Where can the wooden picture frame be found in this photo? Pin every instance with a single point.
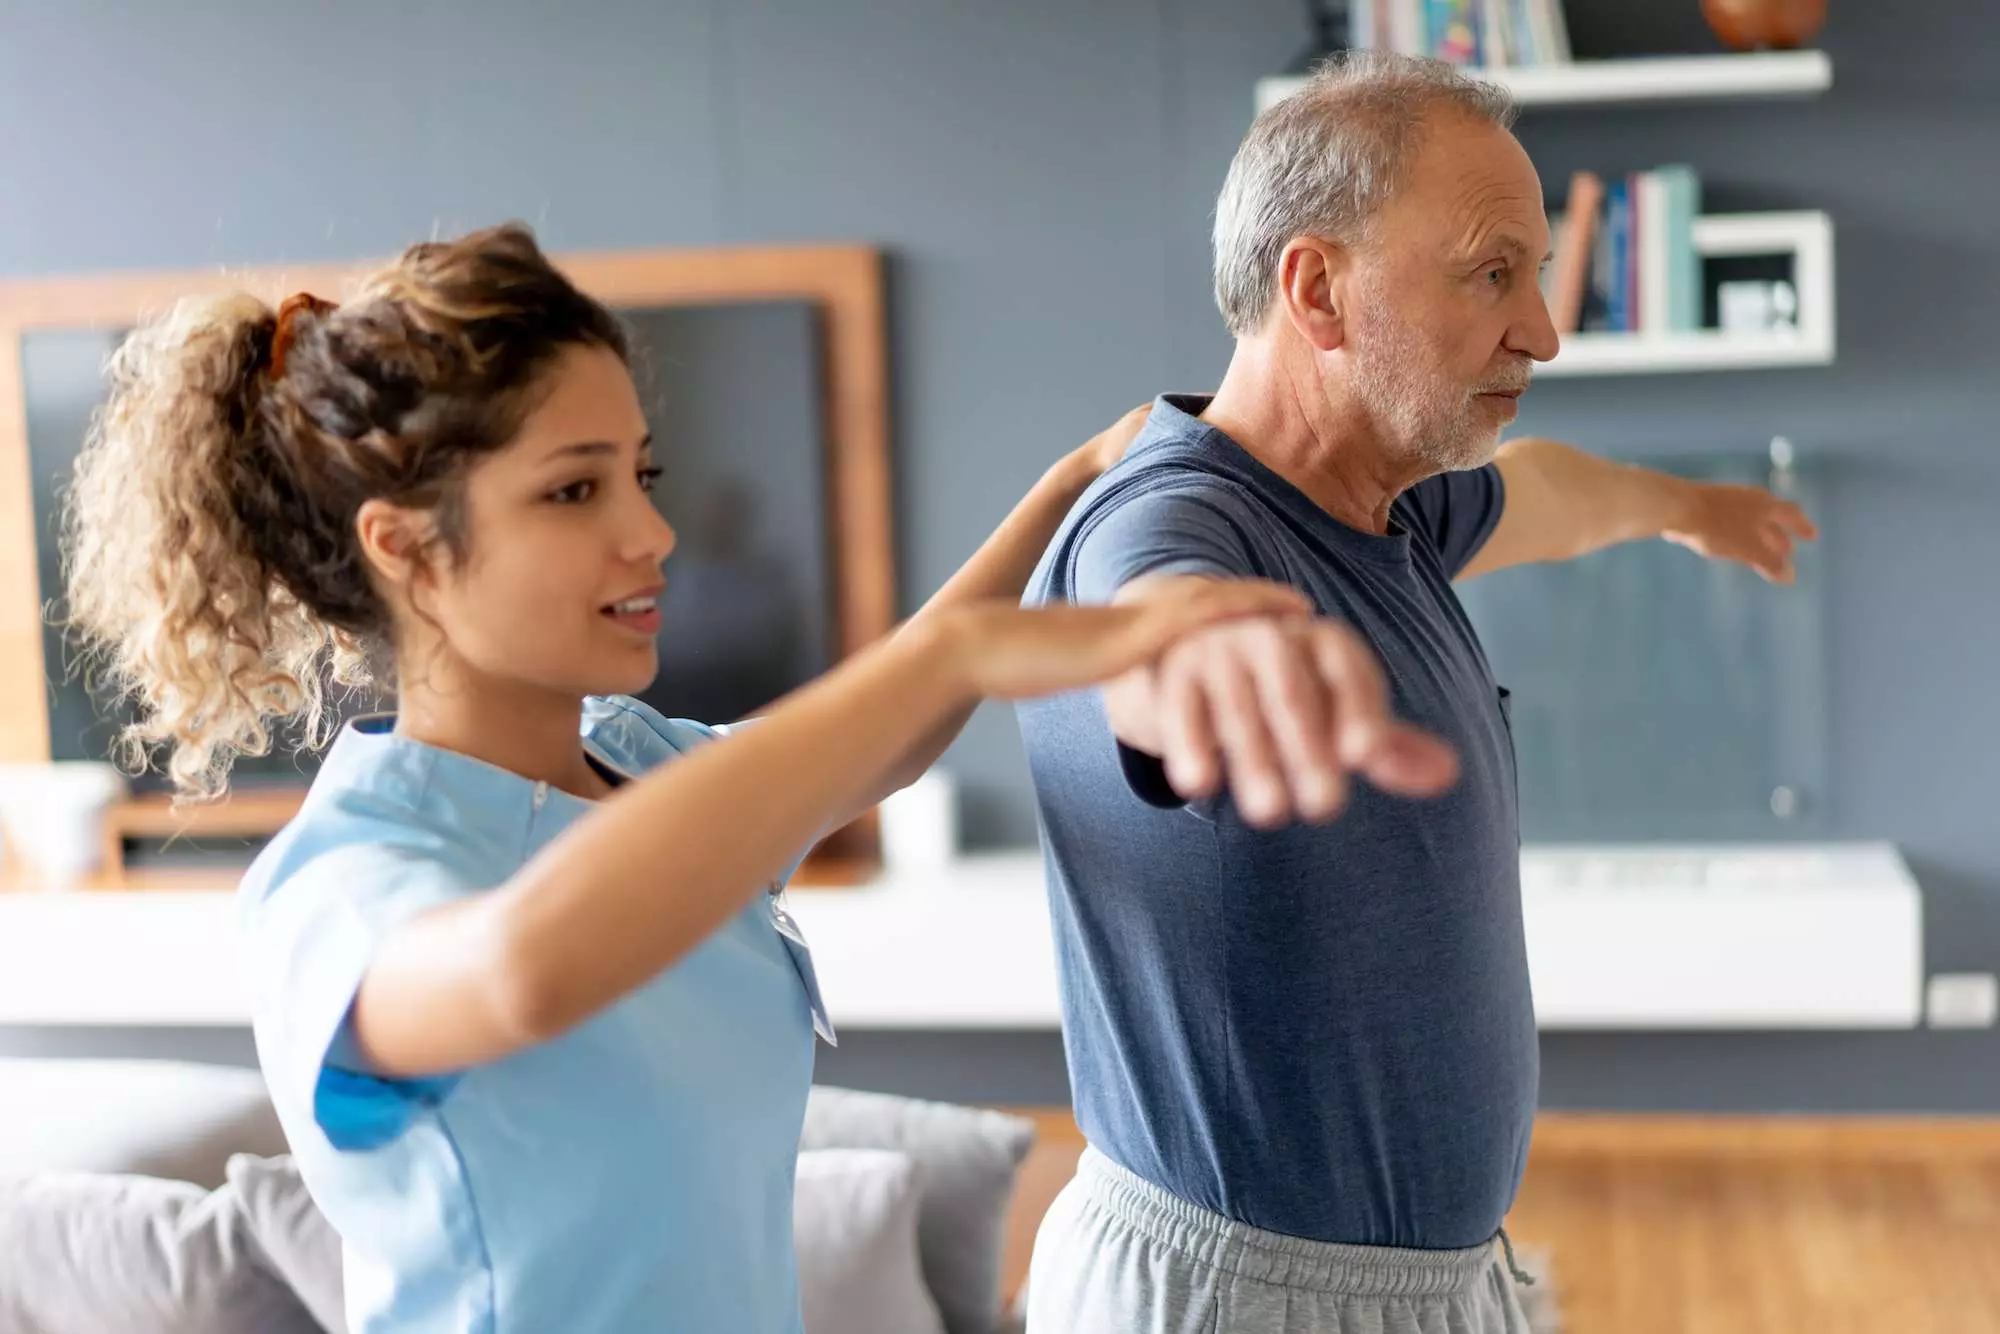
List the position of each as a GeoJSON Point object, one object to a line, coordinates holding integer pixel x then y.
{"type": "Point", "coordinates": [842, 283]}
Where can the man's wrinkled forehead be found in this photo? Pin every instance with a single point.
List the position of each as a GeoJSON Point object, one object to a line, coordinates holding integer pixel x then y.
{"type": "Point", "coordinates": [1471, 188]}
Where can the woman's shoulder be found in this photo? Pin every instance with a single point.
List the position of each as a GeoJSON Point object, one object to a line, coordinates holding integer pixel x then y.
{"type": "Point", "coordinates": [349, 830]}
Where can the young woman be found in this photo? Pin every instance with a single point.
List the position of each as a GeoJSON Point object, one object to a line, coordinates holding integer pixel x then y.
{"type": "Point", "coordinates": [535, 1020]}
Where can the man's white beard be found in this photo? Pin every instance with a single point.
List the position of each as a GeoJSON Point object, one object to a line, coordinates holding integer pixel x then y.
{"type": "Point", "coordinates": [1421, 412]}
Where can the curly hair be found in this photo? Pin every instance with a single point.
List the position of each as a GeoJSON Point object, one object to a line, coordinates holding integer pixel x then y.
{"type": "Point", "coordinates": [215, 576]}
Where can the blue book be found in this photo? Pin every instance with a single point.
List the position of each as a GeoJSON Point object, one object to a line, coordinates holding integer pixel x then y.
{"type": "Point", "coordinates": [1618, 239]}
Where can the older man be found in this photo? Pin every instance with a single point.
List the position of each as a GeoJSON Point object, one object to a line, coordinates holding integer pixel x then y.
{"type": "Point", "coordinates": [1303, 1048]}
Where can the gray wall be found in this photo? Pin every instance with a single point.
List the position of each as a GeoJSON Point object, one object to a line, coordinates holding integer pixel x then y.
{"type": "Point", "coordinates": [1042, 174]}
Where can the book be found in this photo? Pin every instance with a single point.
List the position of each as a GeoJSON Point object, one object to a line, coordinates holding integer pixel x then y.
{"type": "Point", "coordinates": [1494, 45]}
{"type": "Point", "coordinates": [1617, 266]}
{"type": "Point", "coordinates": [1653, 244]}
{"type": "Point", "coordinates": [1407, 31]}
{"type": "Point", "coordinates": [1570, 273]}
{"type": "Point", "coordinates": [1452, 29]}
{"type": "Point", "coordinates": [1549, 32]}
{"type": "Point", "coordinates": [1520, 33]}
{"type": "Point", "coordinates": [1630, 276]}
{"type": "Point", "coordinates": [1681, 204]}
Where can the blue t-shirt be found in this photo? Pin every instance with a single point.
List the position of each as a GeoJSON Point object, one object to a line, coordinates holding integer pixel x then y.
{"type": "Point", "coordinates": [1324, 1031]}
{"type": "Point", "coordinates": [634, 1173]}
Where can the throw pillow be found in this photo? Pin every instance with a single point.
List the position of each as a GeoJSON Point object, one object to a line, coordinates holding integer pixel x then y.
{"type": "Point", "coordinates": [174, 1119]}
{"type": "Point", "coordinates": [855, 1225]}
{"type": "Point", "coordinates": [966, 1158]}
{"type": "Point", "coordinates": [87, 1254]}
{"type": "Point", "coordinates": [297, 1242]}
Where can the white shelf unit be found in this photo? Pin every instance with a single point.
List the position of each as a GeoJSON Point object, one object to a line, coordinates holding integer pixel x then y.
{"type": "Point", "coordinates": [1807, 236]}
{"type": "Point", "coordinates": [1619, 936]}
{"type": "Point", "coordinates": [1654, 79]}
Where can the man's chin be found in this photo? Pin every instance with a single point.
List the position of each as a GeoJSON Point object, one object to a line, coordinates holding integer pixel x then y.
{"type": "Point", "coordinates": [1466, 450]}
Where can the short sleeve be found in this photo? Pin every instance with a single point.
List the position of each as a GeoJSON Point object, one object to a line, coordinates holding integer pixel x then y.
{"type": "Point", "coordinates": [311, 938]}
{"type": "Point", "coordinates": [1457, 512]}
{"type": "Point", "coordinates": [1169, 530]}
{"type": "Point", "coordinates": [1177, 530]}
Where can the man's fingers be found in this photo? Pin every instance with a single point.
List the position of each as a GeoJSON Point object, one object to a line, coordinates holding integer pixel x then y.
{"type": "Point", "coordinates": [1796, 522]}
{"type": "Point", "coordinates": [1777, 564]}
{"type": "Point", "coordinates": [1360, 694]}
{"type": "Point", "coordinates": [1248, 751]}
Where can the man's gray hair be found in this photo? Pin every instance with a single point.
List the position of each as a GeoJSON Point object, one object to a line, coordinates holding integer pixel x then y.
{"type": "Point", "coordinates": [1324, 161]}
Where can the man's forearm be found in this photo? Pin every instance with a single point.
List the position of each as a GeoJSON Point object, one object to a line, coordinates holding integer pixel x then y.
{"type": "Point", "coordinates": [1563, 503]}
{"type": "Point", "coordinates": [1594, 502]}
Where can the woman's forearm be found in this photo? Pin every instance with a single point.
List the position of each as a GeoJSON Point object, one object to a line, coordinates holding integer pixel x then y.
{"type": "Point", "coordinates": [600, 912]}
{"type": "Point", "coordinates": [1000, 568]}
{"type": "Point", "coordinates": [1006, 560]}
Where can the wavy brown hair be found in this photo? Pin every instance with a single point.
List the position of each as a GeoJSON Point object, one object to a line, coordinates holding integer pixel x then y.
{"type": "Point", "coordinates": [215, 576]}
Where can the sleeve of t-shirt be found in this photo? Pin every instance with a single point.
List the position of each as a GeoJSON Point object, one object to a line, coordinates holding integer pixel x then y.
{"type": "Point", "coordinates": [1168, 531]}
{"type": "Point", "coordinates": [1171, 530]}
{"type": "Point", "coordinates": [1457, 512]}
{"type": "Point", "coordinates": [311, 938]}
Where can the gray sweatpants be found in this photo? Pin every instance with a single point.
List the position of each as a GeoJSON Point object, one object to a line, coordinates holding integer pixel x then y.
{"type": "Point", "coordinates": [1117, 1255]}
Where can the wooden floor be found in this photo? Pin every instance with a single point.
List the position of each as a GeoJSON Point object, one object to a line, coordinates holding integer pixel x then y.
{"type": "Point", "coordinates": [1677, 1227]}
{"type": "Point", "coordinates": [1730, 1226]}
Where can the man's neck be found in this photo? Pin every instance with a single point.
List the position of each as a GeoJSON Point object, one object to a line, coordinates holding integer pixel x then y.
{"type": "Point", "coordinates": [1277, 409]}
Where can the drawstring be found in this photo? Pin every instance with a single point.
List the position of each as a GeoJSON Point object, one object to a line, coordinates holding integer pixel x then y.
{"type": "Point", "coordinates": [1521, 1276]}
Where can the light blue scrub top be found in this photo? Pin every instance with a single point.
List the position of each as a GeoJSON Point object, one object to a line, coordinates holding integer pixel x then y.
{"type": "Point", "coordinates": [634, 1174]}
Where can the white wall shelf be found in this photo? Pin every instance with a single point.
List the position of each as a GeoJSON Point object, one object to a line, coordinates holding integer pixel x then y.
{"type": "Point", "coordinates": [1807, 236]}
{"type": "Point", "coordinates": [1663, 354]}
{"type": "Point", "coordinates": [1619, 936]}
{"type": "Point", "coordinates": [1655, 79]}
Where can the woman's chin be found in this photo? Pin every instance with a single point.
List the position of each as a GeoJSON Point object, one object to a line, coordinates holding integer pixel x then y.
{"type": "Point", "coordinates": [622, 678]}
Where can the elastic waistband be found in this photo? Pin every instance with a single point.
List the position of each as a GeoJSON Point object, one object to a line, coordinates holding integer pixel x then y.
{"type": "Point", "coordinates": [1272, 1257]}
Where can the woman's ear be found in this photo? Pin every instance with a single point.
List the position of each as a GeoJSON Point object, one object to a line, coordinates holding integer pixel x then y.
{"type": "Point", "coordinates": [392, 542]}
{"type": "Point", "coordinates": [1311, 290]}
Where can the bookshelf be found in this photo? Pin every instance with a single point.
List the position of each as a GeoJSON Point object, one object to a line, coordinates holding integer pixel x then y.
{"type": "Point", "coordinates": [1807, 236]}
{"type": "Point", "coordinates": [1656, 79]}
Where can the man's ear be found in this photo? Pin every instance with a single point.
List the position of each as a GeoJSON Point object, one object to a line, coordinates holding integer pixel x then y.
{"type": "Point", "coordinates": [1312, 290]}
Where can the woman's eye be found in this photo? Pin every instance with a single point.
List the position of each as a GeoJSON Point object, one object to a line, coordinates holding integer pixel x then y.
{"type": "Point", "coordinates": [649, 478]}
{"type": "Point", "coordinates": [575, 493]}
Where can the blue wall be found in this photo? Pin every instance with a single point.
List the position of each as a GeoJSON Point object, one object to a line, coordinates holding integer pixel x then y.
{"type": "Point", "coordinates": [1042, 175]}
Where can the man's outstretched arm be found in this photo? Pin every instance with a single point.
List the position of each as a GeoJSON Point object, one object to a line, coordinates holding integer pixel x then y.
{"type": "Point", "coordinates": [1562, 503]}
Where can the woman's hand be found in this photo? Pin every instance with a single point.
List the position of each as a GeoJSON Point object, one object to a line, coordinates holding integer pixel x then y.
{"type": "Point", "coordinates": [1009, 652]}
{"type": "Point", "coordinates": [1101, 452]}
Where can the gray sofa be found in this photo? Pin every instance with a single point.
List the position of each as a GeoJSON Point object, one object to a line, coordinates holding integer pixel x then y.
{"type": "Point", "coordinates": [154, 1197]}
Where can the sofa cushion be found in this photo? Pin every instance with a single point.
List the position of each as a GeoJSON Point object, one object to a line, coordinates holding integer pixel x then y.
{"type": "Point", "coordinates": [173, 1119]}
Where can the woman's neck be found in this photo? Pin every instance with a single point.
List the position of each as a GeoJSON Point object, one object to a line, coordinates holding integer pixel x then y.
{"type": "Point", "coordinates": [523, 729]}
